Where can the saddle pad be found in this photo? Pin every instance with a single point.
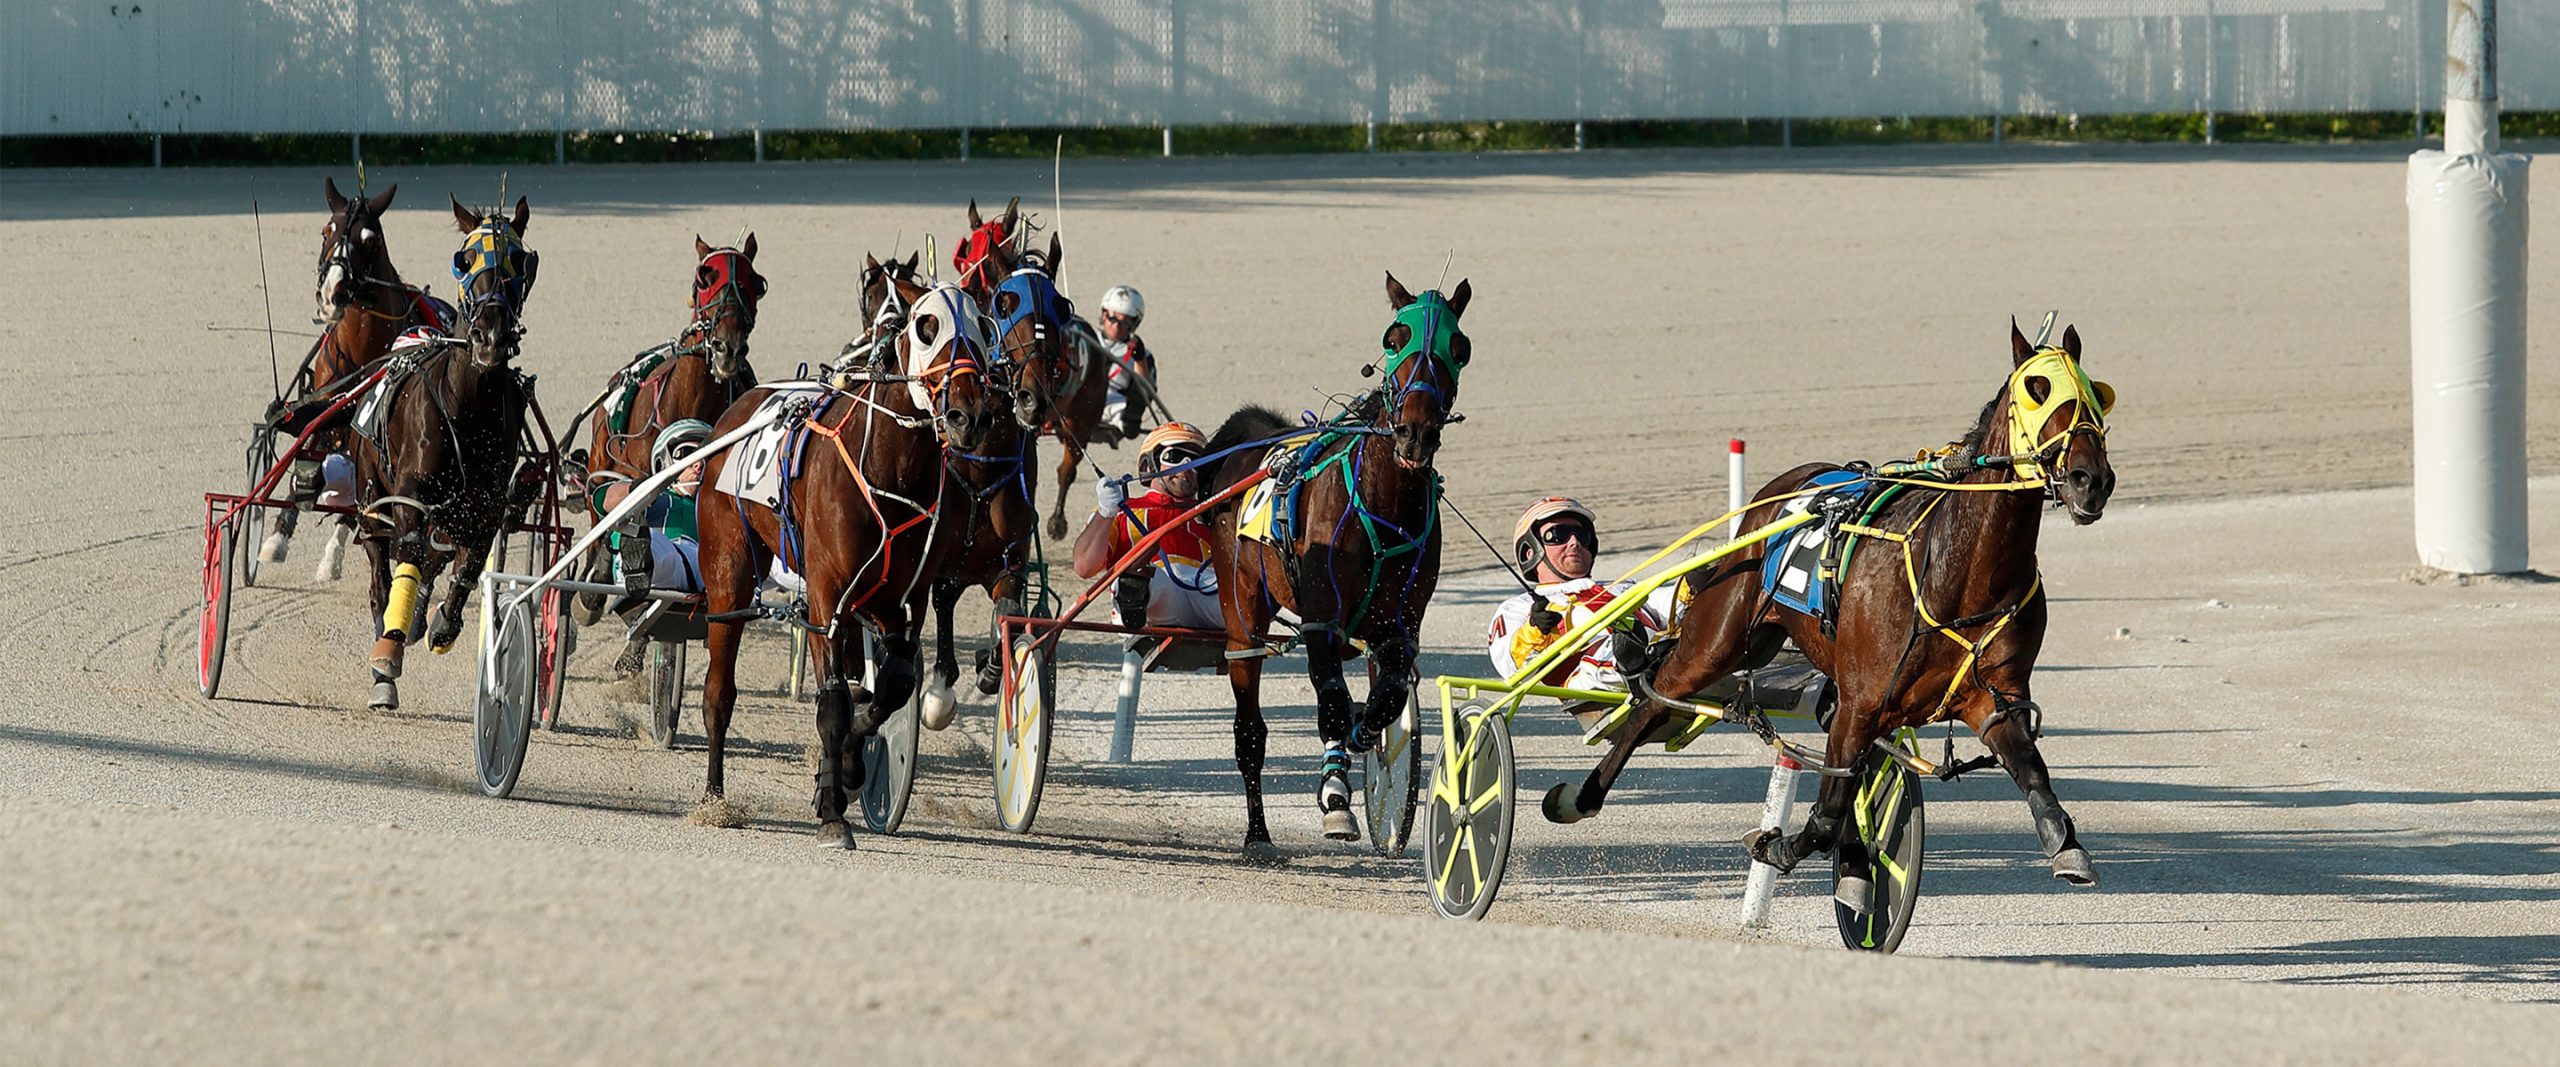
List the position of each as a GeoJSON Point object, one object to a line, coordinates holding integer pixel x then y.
{"type": "Point", "coordinates": [1792, 571]}
{"type": "Point", "coordinates": [756, 472]}
{"type": "Point", "coordinates": [1265, 514]}
{"type": "Point", "coordinates": [374, 411]}
{"type": "Point", "coordinates": [626, 386]}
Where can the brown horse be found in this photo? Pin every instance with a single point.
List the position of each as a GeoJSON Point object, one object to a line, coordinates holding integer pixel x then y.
{"type": "Point", "coordinates": [860, 470]}
{"type": "Point", "coordinates": [1362, 549]}
{"type": "Point", "coordinates": [696, 376]}
{"type": "Point", "coordinates": [438, 480]}
{"type": "Point", "coordinates": [363, 305]}
{"type": "Point", "coordinates": [1944, 612]}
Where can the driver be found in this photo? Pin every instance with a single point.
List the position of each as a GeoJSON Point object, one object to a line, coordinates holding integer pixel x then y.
{"type": "Point", "coordinates": [1125, 401]}
{"type": "Point", "coordinates": [1176, 588]}
{"type": "Point", "coordinates": [1555, 542]}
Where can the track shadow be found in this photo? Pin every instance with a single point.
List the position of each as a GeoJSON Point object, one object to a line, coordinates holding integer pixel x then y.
{"type": "Point", "coordinates": [2518, 960]}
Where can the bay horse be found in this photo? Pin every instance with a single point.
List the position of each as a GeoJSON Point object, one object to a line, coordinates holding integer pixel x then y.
{"type": "Point", "coordinates": [362, 304]}
{"type": "Point", "coordinates": [696, 376]}
{"type": "Point", "coordinates": [1943, 612]}
{"type": "Point", "coordinates": [860, 467]}
{"type": "Point", "coordinates": [1362, 552]}
{"type": "Point", "coordinates": [438, 481]}
{"type": "Point", "coordinates": [1065, 374]}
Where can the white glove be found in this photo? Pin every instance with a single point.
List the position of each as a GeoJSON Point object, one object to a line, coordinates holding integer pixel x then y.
{"type": "Point", "coordinates": [1109, 494]}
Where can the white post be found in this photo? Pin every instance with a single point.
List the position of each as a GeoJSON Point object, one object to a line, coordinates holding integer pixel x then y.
{"type": "Point", "coordinates": [759, 144]}
{"type": "Point", "coordinates": [1168, 142]}
{"type": "Point", "coordinates": [1775, 809]}
{"type": "Point", "coordinates": [1734, 492]}
{"type": "Point", "coordinates": [2467, 228]}
{"type": "Point", "coordinates": [1124, 721]}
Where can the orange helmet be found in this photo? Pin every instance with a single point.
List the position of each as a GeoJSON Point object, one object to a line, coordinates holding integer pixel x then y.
{"type": "Point", "coordinates": [1524, 541]}
{"type": "Point", "coordinates": [1169, 434]}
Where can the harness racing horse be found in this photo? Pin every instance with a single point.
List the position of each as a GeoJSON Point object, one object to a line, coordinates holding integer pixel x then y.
{"type": "Point", "coordinates": [435, 447]}
{"type": "Point", "coordinates": [1356, 552]}
{"type": "Point", "coordinates": [364, 304]}
{"type": "Point", "coordinates": [854, 473]}
{"type": "Point", "coordinates": [1944, 611]}
{"type": "Point", "coordinates": [1063, 371]}
{"type": "Point", "coordinates": [696, 376]}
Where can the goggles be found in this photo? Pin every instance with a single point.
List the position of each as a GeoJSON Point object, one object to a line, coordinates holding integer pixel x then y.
{"type": "Point", "coordinates": [1557, 533]}
{"type": "Point", "coordinates": [1174, 456]}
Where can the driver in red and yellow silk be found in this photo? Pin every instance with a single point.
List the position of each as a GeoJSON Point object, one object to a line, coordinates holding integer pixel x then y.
{"type": "Point", "coordinates": [1181, 589]}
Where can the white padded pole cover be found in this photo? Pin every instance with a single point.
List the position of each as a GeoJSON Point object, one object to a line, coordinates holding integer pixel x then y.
{"type": "Point", "coordinates": [2467, 223]}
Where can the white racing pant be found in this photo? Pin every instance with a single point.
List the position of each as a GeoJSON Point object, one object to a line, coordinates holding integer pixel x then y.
{"type": "Point", "coordinates": [1172, 603]}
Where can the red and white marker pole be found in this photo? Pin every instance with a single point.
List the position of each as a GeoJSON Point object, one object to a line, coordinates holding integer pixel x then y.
{"type": "Point", "coordinates": [1733, 491]}
{"type": "Point", "coordinates": [1780, 802]}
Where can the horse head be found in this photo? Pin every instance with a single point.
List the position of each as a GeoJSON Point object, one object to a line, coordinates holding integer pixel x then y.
{"type": "Point", "coordinates": [353, 255]}
{"type": "Point", "coordinates": [2057, 423]}
{"type": "Point", "coordinates": [493, 274]}
{"type": "Point", "coordinates": [726, 291]}
{"type": "Point", "coordinates": [1423, 353]}
{"type": "Point", "coordinates": [1031, 318]}
{"type": "Point", "coordinates": [986, 237]}
{"type": "Point", "coordinates": [942, 352]}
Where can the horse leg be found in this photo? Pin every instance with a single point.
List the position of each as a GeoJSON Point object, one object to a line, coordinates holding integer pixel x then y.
{"type": "Point", "coordinates": [1390, 685]}
{"type": "Point", "coordinates": [1245, 677]}
{"type": "Point", "coordinates": [404, 585]}
{"type": "Point", "coordinates": [728, 584]}
{"type": "Point", "coordinates": [1333, 726]}
{"type": "Point", "coordinates": [838, 757]}
{"type": "Point", "coordinates": [1070, 453]}
{"type": "Point", "coordinates": [474, 555]}
{"type": "Point", "coordinates": [385, 694]}
{"type": "Point", "coordinates": [940, 703]}
{"type": "Point", "coordinates": [2011, 737]}
{"type": "Point", "coordinates": [1007, 595]}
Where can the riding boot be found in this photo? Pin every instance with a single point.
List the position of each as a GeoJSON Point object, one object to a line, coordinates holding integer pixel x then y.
{"type": "Point", "coordinates": [1131, 594]}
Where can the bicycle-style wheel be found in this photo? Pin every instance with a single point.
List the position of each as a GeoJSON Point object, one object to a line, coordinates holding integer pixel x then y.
{"type": "Point", "coordinates": [889, 765]}
{"type": "Point", "coordinates": [222, 552]}
{"type": "Point", "coordinates": [1891, 822]}
{"type": "Point", "coordinates": [1391, 781]}
{"type": "Point", "coordinates": [503, 694]}
{"type": "Point", "coordinates": [1022, 733]}
{"type": "Point", "coordinates": [261, 458]}
{"type": "Point", "coordinates": [1467, 842]}
{"type": "Point", "coordinates": [666, 691]}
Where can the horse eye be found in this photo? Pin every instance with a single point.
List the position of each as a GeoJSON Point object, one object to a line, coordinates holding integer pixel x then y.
{"type": "Point", "coordinates": [1460, 351]}
{"type": "Point", "coordinates": [2039, 387]}
{"type": "Point", "coordinates": [1396, 336]}
{"type": "Point", "coordinates": [1005, 303]}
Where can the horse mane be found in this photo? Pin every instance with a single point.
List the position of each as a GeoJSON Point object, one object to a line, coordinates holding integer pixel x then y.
{"type": "Point", "coordinates": [1252, 422]}
{"type": "Point", "coordinates": [1976, 441]}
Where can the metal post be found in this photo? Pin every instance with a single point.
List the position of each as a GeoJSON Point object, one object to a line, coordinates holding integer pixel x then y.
{"type": "Point", "coordinates": [1775, 808]}
{"type": "Point", "coordinates": [1786, 81]}
{"type": "Point", "coordinates": [1124, 720]}
{"type": "Point", "coordinates": [155, 151]}
{"type": "Point", "coordinates": [1373, 135]}
{"type": "Point", "coordinates": [2471, 77]}
{"type": "Point", "coordinates": [1998, 132]}
{"type": "Point", "coordinates": [559, 148]}
{"type": "Point", "coordinates": [1786, 133]}
{"type": "Point", "coordinates": [355, 147]}
{"type": "Point", "coordinates": [1577, 135]}
{"type": "Point", "coordinates": [2212, 50]}
{"type": "Point", "coordinates": [2417, 70]}
{"type": "Point", "coordinates": [964, 144]}
{"type": "Point", "coordinates": [759, 144]}
{"type": "Point", "coordinates": [1168, 142]}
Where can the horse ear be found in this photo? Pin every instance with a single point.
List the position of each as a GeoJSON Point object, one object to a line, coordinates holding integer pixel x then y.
{"type": "Point", "coordinates": [337, 200]}
{"type": "Point", "coordinates": [701, 251]}
{"type": "Point", "coordinates": [377, 205]}
{"type": "Point", "coordinates": [1397, 295]}
{"type": "Point", "coordinates": [1012, 213]}
{"type": "Point", "coordinates": [1057, 253]}
{"type": "Point", "coordinates": [870, 263]}
{"type": "Point", "coordinates": [2071, 341]}
{"type": "Point", "coordinates": [749, 249]}
{"type": "Point", "coordinates": [1459, 297]}
{"type": "Point", "coordinates": [913, 259]}
{"type": "Point", "coordinates": [974, 220]}
{"type": "Point", "coordinates": [524, 214]}
{"type": "Point", "coordinates": [2019, 350]}
{"type": "Point", "coordinates": [463, 219]}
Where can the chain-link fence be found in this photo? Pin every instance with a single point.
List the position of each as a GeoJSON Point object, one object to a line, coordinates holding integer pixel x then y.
{"type": "Point", "coordinates": [492, 66]}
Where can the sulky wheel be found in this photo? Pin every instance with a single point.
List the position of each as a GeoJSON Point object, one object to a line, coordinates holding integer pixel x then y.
{"type": "Point", "coordinates": [666, 691]}
{"type": "Point", "coordinates": [1391, 779]}
{"type": "Point", "coordinates": [253, 525]}
{"type": "Point", "coordinates": [1891, 822]}
{"type": "Point", "coordinates": [889, 767]}
{"type": "Point", "coordinates": [223, 550]}
{"type": "Point", "coordinates": [1467, 840]}
{"type": "Point", "coordinates": [1022, 733]}
{"type": "Point", "coordinates": [503, 693]}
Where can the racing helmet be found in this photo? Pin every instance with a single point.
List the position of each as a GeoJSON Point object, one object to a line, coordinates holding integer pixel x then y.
{"type": "Point", "coordinates": [1166, 436]}
{"type": "Point", "coordinates": [1121, 299]}
{"type": "Point", "coordinates": [1524, 533]}
{"type": "Point", "coordinates": [680, 439]}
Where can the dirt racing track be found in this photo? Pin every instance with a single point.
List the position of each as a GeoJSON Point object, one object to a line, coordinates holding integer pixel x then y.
{"type": "Point", "coordinates": [2317, 788]}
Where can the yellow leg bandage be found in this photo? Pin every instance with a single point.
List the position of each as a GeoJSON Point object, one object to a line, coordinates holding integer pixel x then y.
{"type": "Point", "coordinates": [402, 606]}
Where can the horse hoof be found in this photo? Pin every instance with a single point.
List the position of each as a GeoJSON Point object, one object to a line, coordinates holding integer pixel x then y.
{"type": "Point", "coordinates": [332, 561]}
{"type": "Point", "coordinates": [2072, 865]}
{"type": "Point", "coordinates": [1057, 527]}
{"type": "Point", "coordinates": [1340, 825]}
{"type": "Point", "coordinates": [941, 705]}
{"type": "Point", "coordinates": [1856, 894]}
{"type": "Point", "coordinates": [835, 835]}
{"type": "Point", "coordinates": [275, 548]}
{"type": "Point", "coordinates": [1559, 808]}
{"type": "Point", "coordinates": [1761, 843]}
{"type": "Point", "coordinates": [386, 697]}
{"type": "Point", "coordinates": [1261, 853]}
{"type": "Point", "coordinates": [386, 657]}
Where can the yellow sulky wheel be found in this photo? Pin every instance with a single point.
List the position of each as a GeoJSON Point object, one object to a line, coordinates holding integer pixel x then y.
{"type": "Point", "coordinates": [1023, 717]}
{"type": "Point", "coordinates": [1467, 842]}
{"type": "Point", "coordinates": [1891, 822]}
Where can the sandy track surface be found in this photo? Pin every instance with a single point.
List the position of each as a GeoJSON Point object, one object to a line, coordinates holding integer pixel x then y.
{"type": "Point", "coordinates": [2298, 767]}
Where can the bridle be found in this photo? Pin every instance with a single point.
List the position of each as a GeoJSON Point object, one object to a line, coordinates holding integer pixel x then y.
{"type": "Point", "coordinates": [1038, 301]}
{"type": "Point", "coordinates": [2035, 442]}
{"type": "Point", "coordinates": [726, 284]}
{"type": "Point", "coordinates": [494, 269]}
{"type": "Point", "coordinates": [341, 262]}
{"type": "Point", "coordinates": [1432, 331]}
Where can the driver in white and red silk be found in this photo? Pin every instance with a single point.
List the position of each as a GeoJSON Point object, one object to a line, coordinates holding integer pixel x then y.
{"type": "Point", "coordinates": [1175, 587]}
{"type": "Point", "coordinates": [1125, 400]}
{"type": "Point", "coordinates": [1555, 542]}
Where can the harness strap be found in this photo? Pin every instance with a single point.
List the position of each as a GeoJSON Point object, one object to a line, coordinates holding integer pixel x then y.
{"type": "Point", "coordinates": [870, 499]}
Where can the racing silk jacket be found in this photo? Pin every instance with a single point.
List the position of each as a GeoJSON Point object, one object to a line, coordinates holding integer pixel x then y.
{"type": "Point", "coordinates": [1126, 354]}
{"type": "Point", "coordinates": [1184, 552]}
{"type": "Point", "coordinates": [1511, 641]}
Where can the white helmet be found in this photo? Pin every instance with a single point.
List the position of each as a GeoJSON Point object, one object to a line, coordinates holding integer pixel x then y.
{"type": "Point", "coordinates": [1124, 300]}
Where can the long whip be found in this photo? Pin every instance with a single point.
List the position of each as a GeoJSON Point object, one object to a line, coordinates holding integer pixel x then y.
{"type": "Point", "coordinates": [275, 376]}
